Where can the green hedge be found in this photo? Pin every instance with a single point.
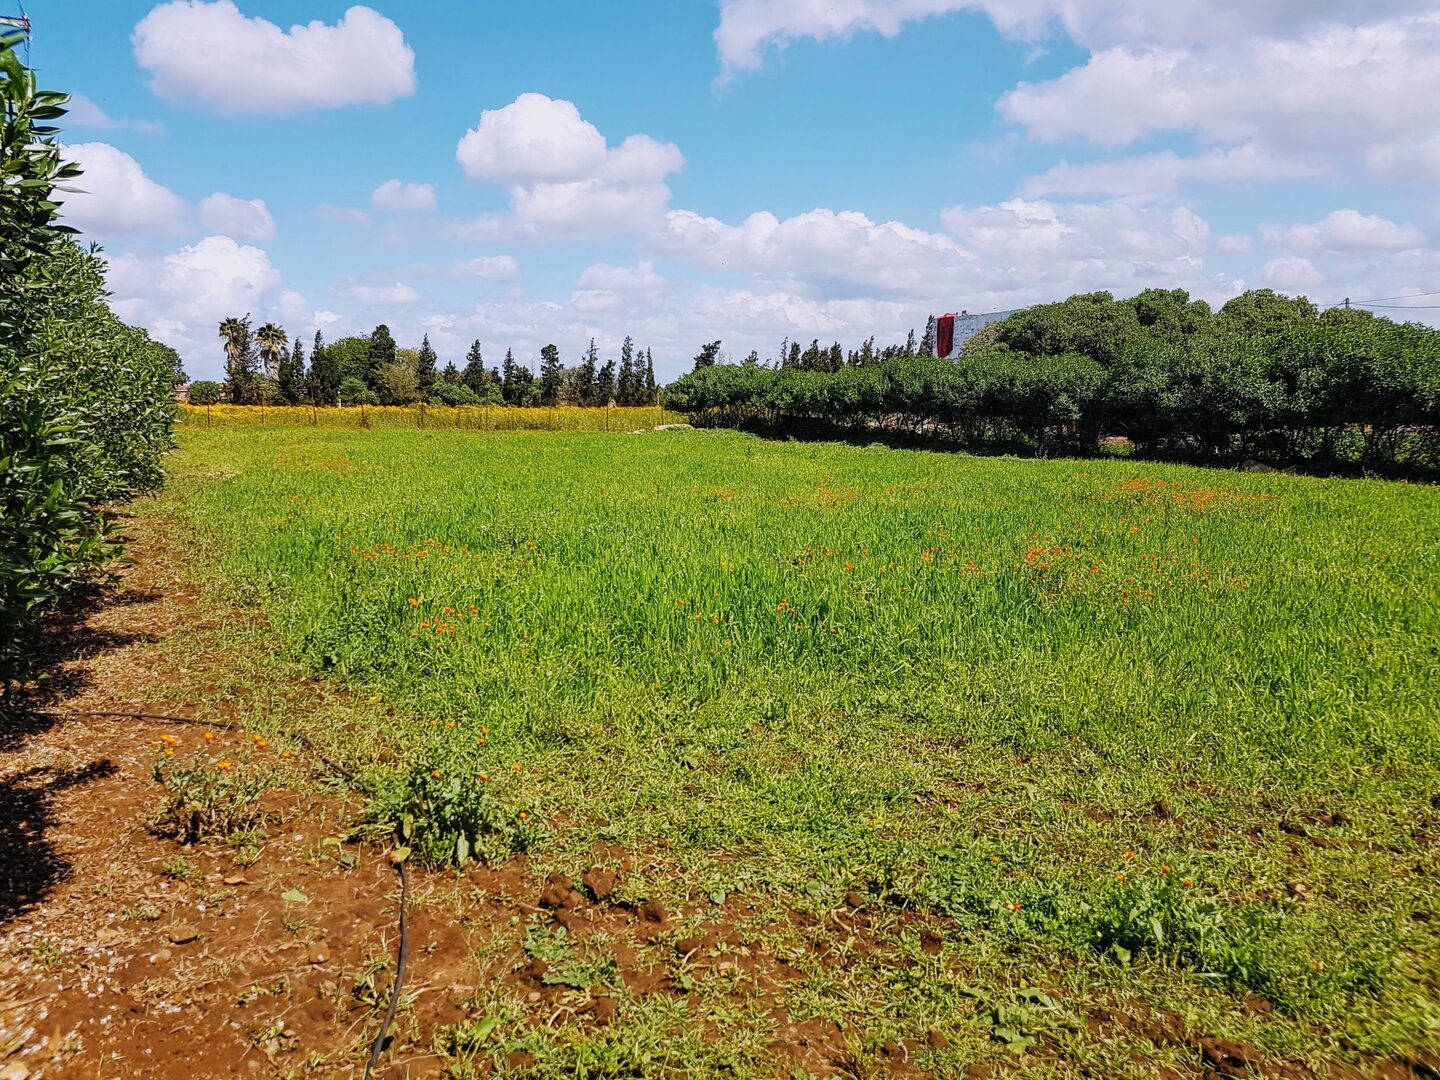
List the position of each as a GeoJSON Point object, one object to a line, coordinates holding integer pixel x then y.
{"type": "Point", "coordinates": [1267, 377]}
{"type": "Point", "coordinates": [85, 401]}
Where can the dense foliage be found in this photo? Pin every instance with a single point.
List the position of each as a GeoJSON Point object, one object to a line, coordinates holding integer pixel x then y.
{"type": "Point", "coordinates": [85, 401]}
{"type": "Point", "coordinates": [1267, 378]}
{"type": "Point", "coordinates": [373, 370]}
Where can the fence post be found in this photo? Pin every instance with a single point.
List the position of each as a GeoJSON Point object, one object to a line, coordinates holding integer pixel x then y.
{"type": "Point", "coordinates": [421, 416]}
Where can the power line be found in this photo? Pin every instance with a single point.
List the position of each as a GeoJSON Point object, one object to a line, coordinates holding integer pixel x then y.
{"type": "Point", "coordinates": [1381, 300]}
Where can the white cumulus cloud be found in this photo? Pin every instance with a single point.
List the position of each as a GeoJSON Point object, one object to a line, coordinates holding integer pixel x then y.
{"type": "Point", "coordinates": [1346, 230]}
{"type": "Point", "coordinates": [393, 293]}
{"type": "Point", "coordinates": [181, 296]}
{"type": "Point", "coordinates": [211, 55]}
{"type": "Point", "coordinates": [487, 268]}
{"type": "Point", "coordinates": [1291, 273]}
{"type": "Point", "coordinates": [403, 195]}
{"type": "Point", "coordinates": [114, 196]}
{"type": "Point", "coordinates": [562, 175]}
{"type": "Point", "coordinates": [1339, 93]}
{"type": "Point", "coordinates": [244, 219]}
{"type": "Point", "coordinates": [748, 27]}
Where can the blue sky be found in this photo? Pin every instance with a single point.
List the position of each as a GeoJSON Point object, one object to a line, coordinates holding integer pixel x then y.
{"type": "Point", "coordinates": [746, 170]}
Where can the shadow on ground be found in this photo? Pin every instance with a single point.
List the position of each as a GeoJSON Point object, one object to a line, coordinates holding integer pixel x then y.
{"type": "Point", "coordinates": [57, 672]}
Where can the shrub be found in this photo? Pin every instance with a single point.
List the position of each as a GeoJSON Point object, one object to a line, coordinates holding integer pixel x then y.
{"type": "Point", "coordinates": [204, 392]}
{"type": "Point", "coordinates": [353, 391]}
{"type": "Point", "coordinates": [448, 393]}
{"type": "Point", "coordinates": [85, 401]}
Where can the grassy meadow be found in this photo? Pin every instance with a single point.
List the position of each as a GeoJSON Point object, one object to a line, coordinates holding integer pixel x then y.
{"type": "Point", "coordinates": [1133, 731]}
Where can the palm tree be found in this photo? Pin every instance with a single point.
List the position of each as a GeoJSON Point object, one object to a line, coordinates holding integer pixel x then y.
{"type": "Point", "coordinates": [272, 342]}
{"type": "Point", "coordinates": [239, 357]}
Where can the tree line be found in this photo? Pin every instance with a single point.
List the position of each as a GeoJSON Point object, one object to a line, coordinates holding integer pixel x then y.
{"type": "Point", "coordinates": [1267, 378]}
{"type": "Point", "coordinates": [817, 357]}
{"type": "Point", "coordinates": [262, 366]}
{"type": "Point", "coordinates": [86, 406]}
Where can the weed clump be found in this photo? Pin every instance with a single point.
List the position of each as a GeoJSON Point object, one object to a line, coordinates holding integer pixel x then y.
{"type": "Point", "coordinates": [447, 818]}
{"type": "Point", "coordinates": [209, 798]}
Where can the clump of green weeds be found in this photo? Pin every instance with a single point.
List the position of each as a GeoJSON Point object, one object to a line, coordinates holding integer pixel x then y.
{"type": "Point", "coordinates": [210, 798]}
{"type": "Point", "coordinates": [447, 818]}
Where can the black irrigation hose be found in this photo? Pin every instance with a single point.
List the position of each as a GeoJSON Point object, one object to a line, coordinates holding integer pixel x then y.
{"type": "Point", "coordinates": [379, 1045]}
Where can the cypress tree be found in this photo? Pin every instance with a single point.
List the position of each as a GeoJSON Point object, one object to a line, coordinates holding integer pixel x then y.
{"type": "Point", "coordinates": [585, 386]}
{"type": "Point", "coordinates": [626, 390]}
{"type": "Point", "coordinates": [927, 343]}
{"type": "Point", "coordinates": [324, 373]}
{"type": "Point", "coordinates": [605, 384]}
{"type": "Point", "coordinates": [292, 374]}
{"type": "Point", "coordinates": [708, 355]}
{"type": "Point", "coordinates": [380, 353]}
{"type": "Point", "coordinates": [552, 373]}
{"type": "Point", "coordinates": [425, 367]}
{"type": "Point", "coordinates": [474, 374]}
{"type": "Point", "coordinates": [650, 386]}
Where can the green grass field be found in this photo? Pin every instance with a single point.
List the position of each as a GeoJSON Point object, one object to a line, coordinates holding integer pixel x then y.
{"type": "Point", "coordinates": [1139, 732]}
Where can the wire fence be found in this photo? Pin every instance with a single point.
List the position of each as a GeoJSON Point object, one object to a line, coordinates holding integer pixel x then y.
{"type": "Point", "coordinates": [439, 417]}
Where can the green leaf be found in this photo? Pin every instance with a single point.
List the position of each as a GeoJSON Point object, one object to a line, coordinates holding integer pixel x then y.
{"type": "Point", "coordinates": [294, 896]}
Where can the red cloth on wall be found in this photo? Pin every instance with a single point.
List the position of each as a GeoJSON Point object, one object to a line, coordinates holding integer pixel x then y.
{"type": "Point", "coordinates": [944, 336]}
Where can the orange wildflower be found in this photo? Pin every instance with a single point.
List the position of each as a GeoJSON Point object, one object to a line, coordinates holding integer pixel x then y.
{"type": "Point", "coordinates": [414, 601]}
{"type": "Point", "coordinates": [436, 774]}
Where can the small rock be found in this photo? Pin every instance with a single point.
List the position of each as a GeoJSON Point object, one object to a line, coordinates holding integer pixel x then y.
{"type": "Point", "coordinates": [533, 996]}
{"type": "Point", "coordinates": [686, 946]}
{"type": "Point", "coordinates": [1299, 890]}
{"type": "Point", "coordinates": [161, 956]}
{"type": "Point", "coordinates": [653, 911]}
{"type": "Point", "coordinates": [14, 1071]}
{"type": "Point", "coordinates": [183, 934]}
{"type": "Point", "coordinates": [237, 879]}
{"type": "Point", "coordinates": [600, 881]}
{"type": "Point", "coordinates": [317, 957]}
